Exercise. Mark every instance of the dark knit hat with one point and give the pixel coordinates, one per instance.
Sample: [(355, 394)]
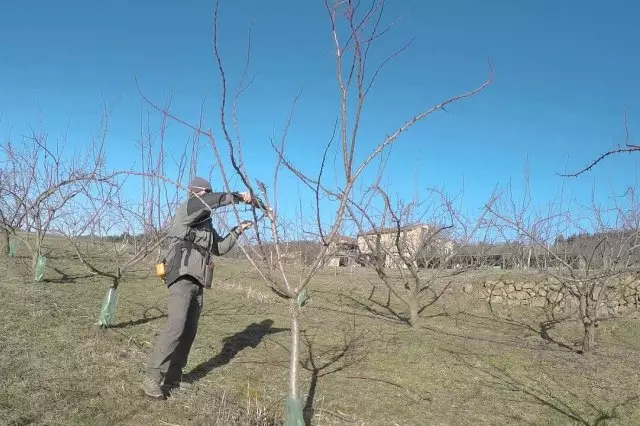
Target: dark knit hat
[(198, 184)]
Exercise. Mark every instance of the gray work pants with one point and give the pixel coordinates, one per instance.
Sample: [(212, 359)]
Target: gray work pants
[(172, 348)]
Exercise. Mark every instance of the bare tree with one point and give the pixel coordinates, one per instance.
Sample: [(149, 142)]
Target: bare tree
[(412, 247), (40, 180), (589, 266), (6, 221), (101, 209), (353, 32)]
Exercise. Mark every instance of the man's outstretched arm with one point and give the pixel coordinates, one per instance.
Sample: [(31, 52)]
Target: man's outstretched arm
[(199, 207), (222, 245)]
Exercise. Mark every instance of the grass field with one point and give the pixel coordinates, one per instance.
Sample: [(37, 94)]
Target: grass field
[(465, 366)]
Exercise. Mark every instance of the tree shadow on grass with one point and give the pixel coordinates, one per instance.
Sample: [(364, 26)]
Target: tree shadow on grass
[(251, 336), (146, 317), (549, 393), (542, 329), (132, 323), (372, 308), (322, 362), (65, 278)]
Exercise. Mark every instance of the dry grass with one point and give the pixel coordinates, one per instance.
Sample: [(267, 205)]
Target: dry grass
[(464, 366)]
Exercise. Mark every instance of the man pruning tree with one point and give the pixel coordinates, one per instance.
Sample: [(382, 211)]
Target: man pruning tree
[(189, 269)]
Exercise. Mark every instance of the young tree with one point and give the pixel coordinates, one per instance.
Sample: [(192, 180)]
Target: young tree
[(354, 29), (7, 220), (39, 181), (412, 247), (101, 209), (589, 267)]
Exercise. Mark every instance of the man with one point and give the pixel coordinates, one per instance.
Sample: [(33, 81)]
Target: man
[(189, 268)]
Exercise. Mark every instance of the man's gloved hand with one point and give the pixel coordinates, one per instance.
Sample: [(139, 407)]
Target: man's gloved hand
[(246, 197), (244, 225)]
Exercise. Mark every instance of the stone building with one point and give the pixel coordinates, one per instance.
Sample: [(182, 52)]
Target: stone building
[(343, 251), (424, 245)]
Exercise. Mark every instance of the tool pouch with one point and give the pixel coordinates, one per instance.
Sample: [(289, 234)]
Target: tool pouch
[(208, 274), (161, 270)]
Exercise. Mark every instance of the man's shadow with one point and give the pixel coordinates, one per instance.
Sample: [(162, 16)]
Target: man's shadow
[(251, 336)]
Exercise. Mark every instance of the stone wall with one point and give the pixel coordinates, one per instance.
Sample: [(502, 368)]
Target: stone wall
[(621, 295)]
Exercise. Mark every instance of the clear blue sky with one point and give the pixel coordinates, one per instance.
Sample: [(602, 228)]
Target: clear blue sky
[(564, 72)]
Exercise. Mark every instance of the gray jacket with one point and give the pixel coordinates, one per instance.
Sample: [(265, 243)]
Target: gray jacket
[(192, 238)]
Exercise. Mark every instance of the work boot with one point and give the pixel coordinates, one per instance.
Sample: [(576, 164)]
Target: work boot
[(173, 382), (152, 388)]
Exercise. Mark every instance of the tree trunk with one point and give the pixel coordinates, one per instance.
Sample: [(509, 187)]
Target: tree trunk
[(34, 263), (117, 278), (414, 317), (294, 415), (7, 241), (294, 360), (36, 254), (588, 322), (589, 339)]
